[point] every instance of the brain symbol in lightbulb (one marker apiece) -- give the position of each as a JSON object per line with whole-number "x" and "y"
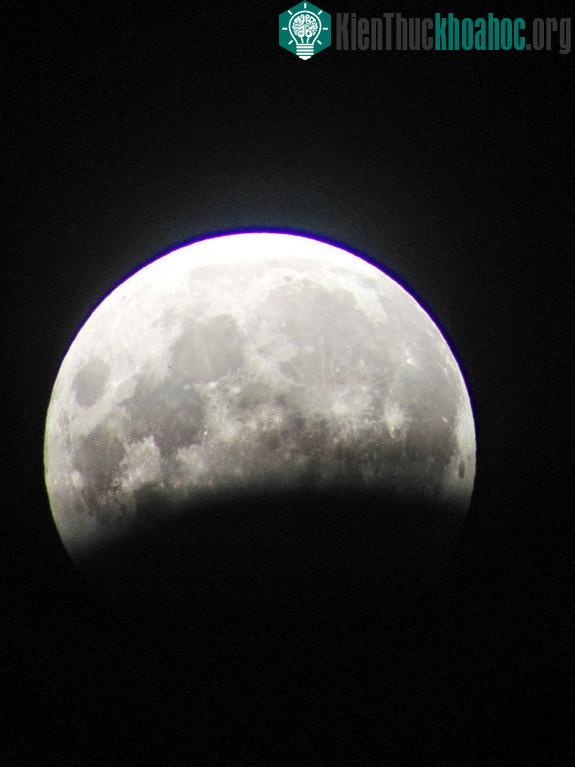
{"x": 305, "y": 28}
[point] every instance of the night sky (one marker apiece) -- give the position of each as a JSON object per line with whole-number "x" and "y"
{"x": 129, "y": 131}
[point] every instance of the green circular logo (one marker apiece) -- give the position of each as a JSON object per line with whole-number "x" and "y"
{"x": 304, "y": 30}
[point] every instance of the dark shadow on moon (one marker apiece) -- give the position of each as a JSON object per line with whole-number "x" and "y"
{"x": 289, "y": 563}
{"x": 250, "y": 627}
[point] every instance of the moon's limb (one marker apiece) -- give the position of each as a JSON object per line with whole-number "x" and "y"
{"x": 252, "y": 361}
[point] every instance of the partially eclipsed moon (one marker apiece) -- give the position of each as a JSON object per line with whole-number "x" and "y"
{"x": 252, "y": 361}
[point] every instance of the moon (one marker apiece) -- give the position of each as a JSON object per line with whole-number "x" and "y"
{"x": 250, "y": 363}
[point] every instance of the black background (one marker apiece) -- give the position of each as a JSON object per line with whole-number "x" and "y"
{"x": 133, "y": 128}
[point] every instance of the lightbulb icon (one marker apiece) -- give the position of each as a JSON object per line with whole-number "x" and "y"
{"x": 305, "y": 28}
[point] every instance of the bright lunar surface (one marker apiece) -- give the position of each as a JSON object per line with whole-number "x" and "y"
{"x": 252, "y": 362}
